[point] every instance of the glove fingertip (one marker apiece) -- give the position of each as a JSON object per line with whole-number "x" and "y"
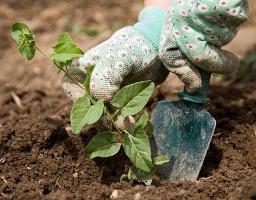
{"x": 194, "y": 85}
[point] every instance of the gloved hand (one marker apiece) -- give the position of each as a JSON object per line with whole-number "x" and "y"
{"x": 130, "y": 55}
{"x": 193, "y": 33}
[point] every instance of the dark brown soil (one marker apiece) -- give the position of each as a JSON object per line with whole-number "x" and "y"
{"x": 41, "y": 159}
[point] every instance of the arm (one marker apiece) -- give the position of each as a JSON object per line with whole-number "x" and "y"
{"x": 157, "y": 3}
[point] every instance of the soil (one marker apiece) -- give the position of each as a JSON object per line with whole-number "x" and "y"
{"x": 40, "y": 158}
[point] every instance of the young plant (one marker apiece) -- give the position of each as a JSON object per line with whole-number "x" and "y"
{"x": 127, "y": 102}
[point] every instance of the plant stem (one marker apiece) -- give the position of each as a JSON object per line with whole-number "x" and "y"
{"x": 110, "y": 118}
{"x": 42, "y": 52}
{"x": 62, "y": 69}
{"x": 125, "y": 131}
{"x": 116, "y": 114}
{"x": 71, "y": 78}
{"x": 92, "y": 99}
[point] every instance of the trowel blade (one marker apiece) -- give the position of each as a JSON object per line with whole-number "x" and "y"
{"x": 182, "y": 131}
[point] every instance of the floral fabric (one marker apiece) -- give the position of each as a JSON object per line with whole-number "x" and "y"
{"x": 124, "y": 58}
{"x": 200, "y": 28}
{"x": 192, "y": 34}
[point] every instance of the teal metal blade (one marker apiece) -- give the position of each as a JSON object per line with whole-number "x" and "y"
{"x": 182, "y": 131}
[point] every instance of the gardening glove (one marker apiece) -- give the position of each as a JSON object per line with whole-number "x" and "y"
{"x": 193, "y": 33}
{"x": 130, "y": 55}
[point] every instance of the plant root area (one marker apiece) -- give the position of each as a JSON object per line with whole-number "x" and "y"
{"x": 40, "y": 158}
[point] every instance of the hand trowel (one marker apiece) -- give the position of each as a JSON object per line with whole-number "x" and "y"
{"x": 182, "y": 132}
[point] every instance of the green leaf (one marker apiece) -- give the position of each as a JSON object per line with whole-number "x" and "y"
{"x": 24, "y": 39}
{"x": 132, "y": 98}
{"x": 131, "y": 175}
{"x": 160, "y": 160}
{"x": 149, "y": 129}
{"x": 90, "y": 32}
{"x": 124, "y": 177}
{"x": 136, "y": 174}
{"x": 58, "y": 59}
{"x": 103, "y": 145}
{"x": 89, "y": 71}
{"x": 148, "y": 182}
{"x": 83, "y": 113}
{"x": 65, "y": 50}
{"x": 65, "y": 38}
{"x": 60, "y": 65}
{"x": 142, "y": 121}
{"x": 137, "y": 148}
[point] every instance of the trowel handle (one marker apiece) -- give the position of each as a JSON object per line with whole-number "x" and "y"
{"x": 201, "y": 95}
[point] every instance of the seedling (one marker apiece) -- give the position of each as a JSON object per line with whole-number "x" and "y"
{"x": 86, "y": 110}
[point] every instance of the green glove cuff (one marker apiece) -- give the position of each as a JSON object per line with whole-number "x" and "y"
{"x": 150, "y": 24}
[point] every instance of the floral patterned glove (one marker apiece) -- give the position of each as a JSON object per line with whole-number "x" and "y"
{"x": 193, "y": 33}
{"x": 130, "y": 55}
